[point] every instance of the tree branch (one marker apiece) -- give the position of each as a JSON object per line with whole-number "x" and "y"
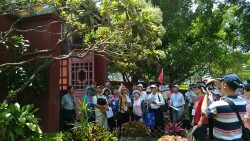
{"x": 44, "y": 51}
{"x": 18, "y": 63}
{"x": 19, "y": 90}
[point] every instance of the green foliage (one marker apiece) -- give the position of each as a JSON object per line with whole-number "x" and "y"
{"x": 239, "y": 63}
{"x": 124, "y": 29}
{"x": 15, "y": 121}
{"x": 61, "y": 136}
{"x": 15, "y": 77}
{"x": 201, "y": 39}
{"x": 85, "y": 131}
{"x": 16, "y": 45}
{"x": 90, "y": 131}
{"x": 136, "y": 34}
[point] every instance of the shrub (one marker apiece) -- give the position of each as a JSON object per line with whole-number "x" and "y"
{"x": 134, "y": 129}
{"x": 174, "y": 129}
{"x": 85, "y": 131}
{"x": 92, "y": 132}
{"x": 15, "y": 121}
{"x": 61, "y": 136}
{"x": 172, "y": 138}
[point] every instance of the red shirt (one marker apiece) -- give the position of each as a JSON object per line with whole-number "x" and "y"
{"x": 197, "y": 107}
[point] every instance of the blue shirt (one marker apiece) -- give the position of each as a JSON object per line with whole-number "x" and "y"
{"x": 177, "y": 99}
{"x": 68, "y": 102}
{"x": 226, "y": 124}
{"x": 191, "y": 96}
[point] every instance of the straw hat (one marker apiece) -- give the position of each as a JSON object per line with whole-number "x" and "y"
{"x": 124, "y": 89}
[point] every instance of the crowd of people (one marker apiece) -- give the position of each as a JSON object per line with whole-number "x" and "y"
{"x": 211, "y": 107}
{"x": 124, "y": 105}
{"x": 205, "y": 102}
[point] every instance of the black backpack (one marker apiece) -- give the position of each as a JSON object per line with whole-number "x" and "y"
{"x": 101, "y": 101}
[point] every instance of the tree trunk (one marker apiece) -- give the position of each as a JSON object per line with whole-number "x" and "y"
{"x": 135, "y": 78}
{"x": 124, "y": 77}
{"x": 224, "y": 70}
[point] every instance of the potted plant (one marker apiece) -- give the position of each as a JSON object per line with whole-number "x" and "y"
{"x": 174, "y": 129}
{"x": 87, "y": 131}
{"x": 172, "y": 138}
{"x": 187, "y": 134}
{"x": 135, "y": 131}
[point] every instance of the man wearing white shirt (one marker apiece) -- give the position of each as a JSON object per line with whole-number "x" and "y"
{"x": 143, "y": 93}
{"x": 177, "y": 103}
{"x": 164, "y": 90}
{"x": 156, "y": 100}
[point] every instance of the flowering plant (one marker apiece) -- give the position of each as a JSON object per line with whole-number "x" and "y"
{"x": 174, "y": 129}
{"x": 134, "y": 129}
{"x": 172, "y": 138}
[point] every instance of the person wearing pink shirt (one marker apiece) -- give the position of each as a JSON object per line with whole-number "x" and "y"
{"x": 138, "y": 106}
{"x": 247, "y": 98}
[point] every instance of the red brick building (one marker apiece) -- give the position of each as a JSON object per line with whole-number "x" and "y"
{"x": 73, "y": 71}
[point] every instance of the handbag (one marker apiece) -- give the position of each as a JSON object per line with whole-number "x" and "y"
{"x": 101, "y": 101}
{"x": 162, "y": 107}
{"x": 149, "y": 118}
{"x": 245, "y": 131}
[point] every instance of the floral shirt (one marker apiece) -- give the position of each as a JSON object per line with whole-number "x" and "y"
{"x": 89, "y": 100}
{"x": 247, "y": 108}
{"x": 247, "y": 124}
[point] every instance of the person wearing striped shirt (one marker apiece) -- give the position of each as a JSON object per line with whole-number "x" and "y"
{"x": 226, "y": 124}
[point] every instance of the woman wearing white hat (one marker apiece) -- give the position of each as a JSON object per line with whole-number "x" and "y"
{"x": 138, "y": 106}
{"x": 143, "y": 94}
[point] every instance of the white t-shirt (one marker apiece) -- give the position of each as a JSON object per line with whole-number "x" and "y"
{"x": 157, "y": 98}
{"x": 143, "y": 95}
{"x": 97, "y": 110}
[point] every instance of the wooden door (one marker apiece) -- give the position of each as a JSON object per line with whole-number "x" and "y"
{"x": 81, "y": 73}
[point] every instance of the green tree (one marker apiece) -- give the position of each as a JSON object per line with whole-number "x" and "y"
{"x": 200, "y": 39}
{"x": 123, "y": 29}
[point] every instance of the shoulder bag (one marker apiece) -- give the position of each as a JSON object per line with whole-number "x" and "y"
{"x": 245, "y": 131}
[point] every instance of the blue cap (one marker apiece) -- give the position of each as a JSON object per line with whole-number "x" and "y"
{"x": 231, "y": 77}
{"x": 247, "y": 87}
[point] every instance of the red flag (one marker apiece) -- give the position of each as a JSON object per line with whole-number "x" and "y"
{"x": 160, "y": 78}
